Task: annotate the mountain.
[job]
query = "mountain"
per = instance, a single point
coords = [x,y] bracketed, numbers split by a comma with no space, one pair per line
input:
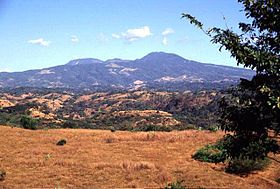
[84,61]
[156,70]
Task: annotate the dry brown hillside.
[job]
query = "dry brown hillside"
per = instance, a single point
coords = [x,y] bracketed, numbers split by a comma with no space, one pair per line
[104,159]
[134,110]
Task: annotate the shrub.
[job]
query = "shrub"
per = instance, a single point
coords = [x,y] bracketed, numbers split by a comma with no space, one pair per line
[61,142]
[248,147]
[175,185]
[211,153]
[2,175]
[150,127]
[112,129]
[238,165]
[278,180]
[246,165]
[213,128]
[185,126]
[28,122]
[70,124]
[191,126]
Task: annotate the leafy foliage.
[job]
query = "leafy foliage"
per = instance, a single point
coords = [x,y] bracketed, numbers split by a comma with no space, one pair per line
[241,146]
[28,122]
[150,127]
[211,153]
[246,165]
[251,111]
[213,128]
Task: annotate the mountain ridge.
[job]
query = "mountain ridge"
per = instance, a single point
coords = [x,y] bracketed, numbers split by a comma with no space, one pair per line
[156,68]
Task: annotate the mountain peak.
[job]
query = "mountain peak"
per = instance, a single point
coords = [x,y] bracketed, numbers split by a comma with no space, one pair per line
[84,61]
[160,56]
[156,70]
[160,53]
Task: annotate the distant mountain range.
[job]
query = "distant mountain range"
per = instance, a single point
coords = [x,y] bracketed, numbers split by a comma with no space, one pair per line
[156,70]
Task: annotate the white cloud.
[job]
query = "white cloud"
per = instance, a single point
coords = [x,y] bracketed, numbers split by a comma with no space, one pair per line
[136,33]
[40,41]
[116,36]
[164,40]
[74,39]
[167,31]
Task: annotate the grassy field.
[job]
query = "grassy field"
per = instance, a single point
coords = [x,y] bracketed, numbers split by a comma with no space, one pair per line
[104,159]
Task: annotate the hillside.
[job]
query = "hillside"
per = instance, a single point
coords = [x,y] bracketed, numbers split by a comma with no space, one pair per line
[102,159]
[134,110]
[156,70]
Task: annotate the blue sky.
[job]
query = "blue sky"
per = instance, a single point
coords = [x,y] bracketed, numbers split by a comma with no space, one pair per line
[43,33]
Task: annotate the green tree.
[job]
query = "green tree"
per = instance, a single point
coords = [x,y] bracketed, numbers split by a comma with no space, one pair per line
[251,111]
[28,122]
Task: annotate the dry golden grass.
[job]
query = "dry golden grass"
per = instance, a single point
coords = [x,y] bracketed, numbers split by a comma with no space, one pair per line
[102,159]
[5,103]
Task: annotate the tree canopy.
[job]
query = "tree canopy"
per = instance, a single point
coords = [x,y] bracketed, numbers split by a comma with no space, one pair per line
[251,111]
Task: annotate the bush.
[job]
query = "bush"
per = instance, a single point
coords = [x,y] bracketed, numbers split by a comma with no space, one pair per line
[213,128]
[190,126]
[185,126]
[112,129]
[211,153]
[238,165]
[246,147]
[246,165]
[28,122]
[61,142]
[70,124]
[152,128]
[2,175]
[175,185]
